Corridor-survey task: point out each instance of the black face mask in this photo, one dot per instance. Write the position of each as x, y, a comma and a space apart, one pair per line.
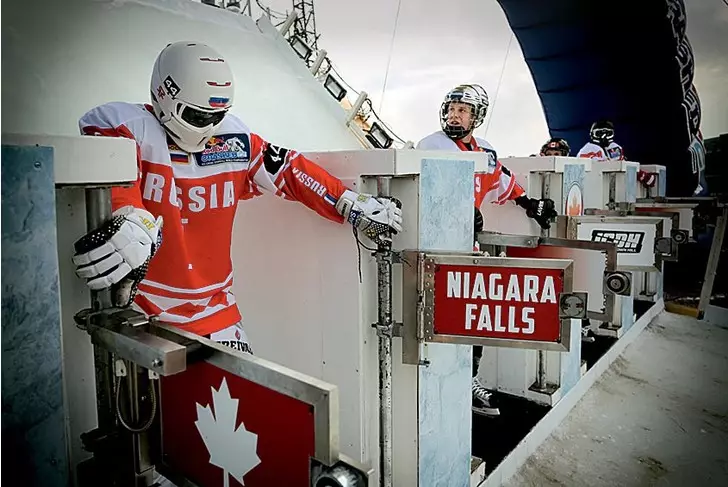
201, 119
602, 136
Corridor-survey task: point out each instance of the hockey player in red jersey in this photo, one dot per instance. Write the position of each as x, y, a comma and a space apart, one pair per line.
601, 146
462, 111
195, 162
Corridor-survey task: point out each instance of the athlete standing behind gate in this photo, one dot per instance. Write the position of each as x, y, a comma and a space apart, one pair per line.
462, 111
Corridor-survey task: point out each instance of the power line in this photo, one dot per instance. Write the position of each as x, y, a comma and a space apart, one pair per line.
498, 86
391, 50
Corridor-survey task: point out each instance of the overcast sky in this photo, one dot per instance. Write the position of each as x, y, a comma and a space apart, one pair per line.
441, 44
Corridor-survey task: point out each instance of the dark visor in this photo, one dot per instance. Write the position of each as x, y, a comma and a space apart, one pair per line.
200, 119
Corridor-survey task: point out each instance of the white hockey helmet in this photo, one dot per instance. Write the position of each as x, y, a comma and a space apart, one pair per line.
192, 90
471, 94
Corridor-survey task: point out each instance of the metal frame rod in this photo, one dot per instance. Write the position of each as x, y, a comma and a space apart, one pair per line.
98, 211
545, 193
384, 330
712, 266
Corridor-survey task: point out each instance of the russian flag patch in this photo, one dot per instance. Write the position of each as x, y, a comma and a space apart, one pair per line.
179, 158
218, 101
330, 199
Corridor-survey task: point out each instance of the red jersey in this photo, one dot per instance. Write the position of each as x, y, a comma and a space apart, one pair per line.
189, 281
495, 186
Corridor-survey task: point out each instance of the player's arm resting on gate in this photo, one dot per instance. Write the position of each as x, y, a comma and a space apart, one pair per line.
290, 175
541, 210
120, 250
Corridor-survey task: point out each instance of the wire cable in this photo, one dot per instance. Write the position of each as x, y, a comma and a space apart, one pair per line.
498, 86
391, 50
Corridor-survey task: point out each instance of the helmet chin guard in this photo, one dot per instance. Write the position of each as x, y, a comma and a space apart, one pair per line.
472, 95
192, 90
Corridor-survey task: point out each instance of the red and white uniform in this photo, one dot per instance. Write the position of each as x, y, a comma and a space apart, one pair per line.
495, 186
189, 281
593, 151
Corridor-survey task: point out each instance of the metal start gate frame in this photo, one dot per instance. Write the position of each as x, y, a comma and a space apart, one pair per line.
660, 247
419, 291
615, 282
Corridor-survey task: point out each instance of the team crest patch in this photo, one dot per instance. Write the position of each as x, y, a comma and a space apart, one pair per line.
221, 149
614, 153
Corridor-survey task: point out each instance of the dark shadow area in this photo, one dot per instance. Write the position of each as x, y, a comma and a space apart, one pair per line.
494, 438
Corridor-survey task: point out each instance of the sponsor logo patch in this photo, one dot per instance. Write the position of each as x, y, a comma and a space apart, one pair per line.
221, 149
627, 242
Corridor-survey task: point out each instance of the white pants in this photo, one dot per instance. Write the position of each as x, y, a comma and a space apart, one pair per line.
233, 337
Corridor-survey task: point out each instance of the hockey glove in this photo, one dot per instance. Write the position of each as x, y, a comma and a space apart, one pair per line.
375, 216
543, 210
118, 253
648, 179
478, 227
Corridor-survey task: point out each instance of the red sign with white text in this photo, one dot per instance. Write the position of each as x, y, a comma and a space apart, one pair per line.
513, 303
216, 424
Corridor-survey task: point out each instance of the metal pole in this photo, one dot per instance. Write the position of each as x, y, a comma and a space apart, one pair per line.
541, 377
384, 330
98, 211
713, 258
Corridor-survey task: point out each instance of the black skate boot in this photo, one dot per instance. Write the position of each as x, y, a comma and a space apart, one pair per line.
481, 400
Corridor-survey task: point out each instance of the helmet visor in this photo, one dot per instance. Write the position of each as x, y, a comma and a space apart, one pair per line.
603, 134
201, 119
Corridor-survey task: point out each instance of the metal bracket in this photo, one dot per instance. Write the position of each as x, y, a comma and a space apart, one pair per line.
618, 282
504, 240
573, 305
391, 331
665, 247
679, 236
124, 332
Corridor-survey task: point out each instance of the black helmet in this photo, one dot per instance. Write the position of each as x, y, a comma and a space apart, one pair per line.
602, 132
557, 144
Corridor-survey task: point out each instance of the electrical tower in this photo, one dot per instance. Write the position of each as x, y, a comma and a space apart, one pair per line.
305, 25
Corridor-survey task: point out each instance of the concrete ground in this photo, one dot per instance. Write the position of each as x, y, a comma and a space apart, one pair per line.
657, 417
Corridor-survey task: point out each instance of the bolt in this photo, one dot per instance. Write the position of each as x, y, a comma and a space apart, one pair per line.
156, 362
37, 164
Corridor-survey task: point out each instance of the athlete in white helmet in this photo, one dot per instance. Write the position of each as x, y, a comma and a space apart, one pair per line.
196, 161
462, 111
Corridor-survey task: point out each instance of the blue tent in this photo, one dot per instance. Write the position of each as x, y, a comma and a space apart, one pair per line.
622, 60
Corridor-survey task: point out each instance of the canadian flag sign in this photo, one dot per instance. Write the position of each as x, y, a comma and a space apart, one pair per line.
514, 303
219, 429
